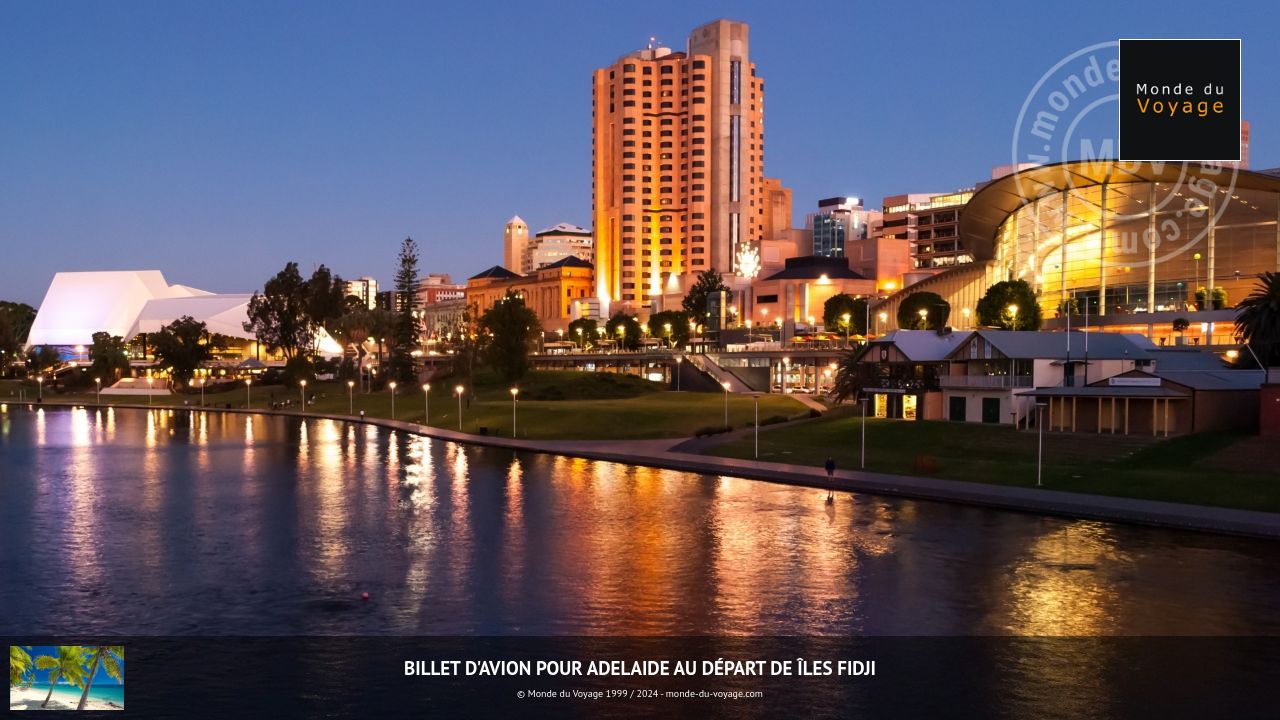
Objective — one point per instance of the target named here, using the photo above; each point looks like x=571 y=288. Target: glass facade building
x=1122 y=239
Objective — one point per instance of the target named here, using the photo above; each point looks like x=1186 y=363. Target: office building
x=555 y=243
x=678 y=158
x=929 y=222
x=365 y=288
x=439 y=287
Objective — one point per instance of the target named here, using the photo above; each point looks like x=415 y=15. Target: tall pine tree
x=406 y=308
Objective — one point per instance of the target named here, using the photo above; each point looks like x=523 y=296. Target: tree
x=839 y=305
x=695 y=303
x=625 y=329
x=587 y=336
x=1258 y=318
x=109 y=657
x=996 y=308
x=326 y=297
x=511 y=328
x=42 y=358
x=405 y=334
x=108 y=357
x=670 y=326
x=278 y=317
x=67 y=665
x=15 y=325
x=934 y=315
x=19 y=664
x=181 y=345
x=1180 y=325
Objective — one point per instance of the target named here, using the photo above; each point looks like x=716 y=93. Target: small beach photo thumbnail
x=66 y=677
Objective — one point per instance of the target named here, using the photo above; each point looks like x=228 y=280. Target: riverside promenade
x=673 y=454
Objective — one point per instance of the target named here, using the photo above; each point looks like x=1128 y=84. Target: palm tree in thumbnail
x=19 y=664
x=109 y=657
x=1258 y=318
x=67 y=665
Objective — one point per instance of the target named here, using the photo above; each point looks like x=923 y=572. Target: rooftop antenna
x=653 y=41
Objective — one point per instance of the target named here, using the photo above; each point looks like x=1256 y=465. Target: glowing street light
x=426 y=403
x=667 y=328
x=965 y=312
x=679 y=360
x=580 y=340
x=725 y=385
x=1013 y=313
x=846 y=318
x=248 y=393
x=98 y=383
x=884 y=318
x=924 y=318
x=351 y=398
x=458 y=391
x=302 y=393
x=40 y=389
x=150 y=383
x=786 y=370
x=392 y=385
x=201 y=392
x=515 y=392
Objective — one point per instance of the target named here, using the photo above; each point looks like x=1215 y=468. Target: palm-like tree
x=109 y=657
x=68 y=664
x=19 y=663
x=1258 y=317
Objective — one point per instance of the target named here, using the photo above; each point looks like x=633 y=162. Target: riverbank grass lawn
x=1194 y=469
x=552 y=405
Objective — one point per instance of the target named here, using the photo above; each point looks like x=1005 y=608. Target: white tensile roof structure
x=129 y=302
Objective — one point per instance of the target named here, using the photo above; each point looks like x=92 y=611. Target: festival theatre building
x=1123 y=247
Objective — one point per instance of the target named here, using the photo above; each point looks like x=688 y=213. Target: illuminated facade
x=930 y=224
x=1116 y=239
x=550 y=291
x=678 y=158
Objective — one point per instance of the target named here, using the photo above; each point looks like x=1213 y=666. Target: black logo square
x=1180 y=100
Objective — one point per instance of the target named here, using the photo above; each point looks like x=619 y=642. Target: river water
x=170 y=522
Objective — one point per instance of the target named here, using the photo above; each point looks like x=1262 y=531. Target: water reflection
x=187 y=522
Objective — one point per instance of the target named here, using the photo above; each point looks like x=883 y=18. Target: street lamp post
x=846 y=317
x=786 y=370
x=426 y=404
x=667 y=328
x=725 y=385
x=392 y=385
x=302 y=393
x=884 y=319
x=1013 y=314
x=201 y=393
x=755 y=396
x=679 y=360
x=924 y=318
x=150 y=384
x=351 y=398
x=98 y=382
x=40 y=389
x=248 y=393
x=863 y=402
x=458 y=391
x=1040 y=450
x=515 y=399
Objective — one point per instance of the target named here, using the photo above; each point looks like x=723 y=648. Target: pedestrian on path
x=831 y=479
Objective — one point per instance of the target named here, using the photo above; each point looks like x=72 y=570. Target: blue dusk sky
x=216 y=141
